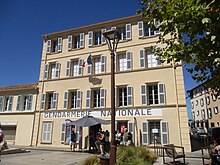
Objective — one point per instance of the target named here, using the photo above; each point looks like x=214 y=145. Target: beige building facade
x=17 y=112
x=150 y=95
x=205 y=107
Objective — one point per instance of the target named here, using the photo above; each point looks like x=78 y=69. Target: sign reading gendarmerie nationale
x=103 y=113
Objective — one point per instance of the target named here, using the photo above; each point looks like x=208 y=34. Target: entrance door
x=154 y=130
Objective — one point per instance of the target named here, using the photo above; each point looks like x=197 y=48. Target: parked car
x=197 y=131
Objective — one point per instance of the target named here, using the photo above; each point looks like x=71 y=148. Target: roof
x=92 y=25
x=18 y=87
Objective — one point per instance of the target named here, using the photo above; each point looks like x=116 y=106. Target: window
x=215 y=110
x=74 y=68
x=192 y=104
x=54 y=46
x=52 y=71
x=203 y=113
x=212 y=124
x=96 y=38
x=145 y=30
x=213 y=97
x=197 y=102
x=209 y=113
x=95 y=98
x=124 y=96
x=202 y=102
x=197 y=113
x=46 y=132
x=125 y=32
x=152 y=130
x=152 y=94
x=24 y=103
x=208 y=100
x=98 y=65
x=72 y=99
x=6 y=103
x=193 y=115
x=148 y=59
x=124 y=61
x=76 y=41
x=49 y=101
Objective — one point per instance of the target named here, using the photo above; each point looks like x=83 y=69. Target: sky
x=23 y=22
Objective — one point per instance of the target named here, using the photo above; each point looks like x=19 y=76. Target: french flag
x=88 y=61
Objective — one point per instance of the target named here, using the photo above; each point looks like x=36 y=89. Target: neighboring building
x=205 y=107
x=150 y=96
x=17 y=109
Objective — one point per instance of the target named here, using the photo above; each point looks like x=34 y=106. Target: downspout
x=42 y=89
x=177 y=101
x=35 y=108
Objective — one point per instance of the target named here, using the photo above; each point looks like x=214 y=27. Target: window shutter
x=80 y=61
x=142 y=58
x=164 y=132
x=103 y=63
x=102 y=97
x=131 y=129
x=140 y=29
x=128 y=31
x=48 y=46
x=1 y=103
x=130 y=95
x=103 y=38
x=68 y=63
x=65 y=100
x=59 y=44
x=29 y=105
x=63 y=129
x=43 y=101
x=10 y=103
x=46 y=71
x=116 y=126
x=161 y=93
x=144 y=94
x=82 y=36
x=129 y=60
x=79 y=99
x=116 y=101
x=18 y=108
x=157 y=24
x=55 y=99
x=47 y=132
x=145 y=139
x=70 y=40
x=88 y=96
x=90 y=34
x=57 y=69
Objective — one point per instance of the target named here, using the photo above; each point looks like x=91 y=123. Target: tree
x=193 y=27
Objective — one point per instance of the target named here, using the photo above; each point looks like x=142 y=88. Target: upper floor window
x=95 y=98
x=202 y=102
x=192 y=104
x=215 y=110
x=145 y=30
x=124 y=32
x=207 y=100
x=197 y=102
x=203 y=113
x=49 y=100
x=97 y=65
x=153 y=94
x=209 y=113
x=148 y=59
x=52 y=71
x=54 y=46
x=124 y=61
x=72 y=99
x=76 y=41
x=213 y=97
x=124 y=96
x=96 y=37
x=74 y=68
x=24 y=102
x=193 y=115
x=6 y=103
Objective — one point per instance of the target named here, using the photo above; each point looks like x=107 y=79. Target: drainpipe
x=177 y=100
x=42 y=89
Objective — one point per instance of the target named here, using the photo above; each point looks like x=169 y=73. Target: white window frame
x=165 y=133
x=145 y=132
x=70 y=42
x=90 y=38
x=47 y=128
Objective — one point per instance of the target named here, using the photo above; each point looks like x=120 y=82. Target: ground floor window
x=47 y=132
x=9 y=131
x=155 y=131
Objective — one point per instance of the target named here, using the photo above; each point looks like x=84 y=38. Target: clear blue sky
x=23 y=22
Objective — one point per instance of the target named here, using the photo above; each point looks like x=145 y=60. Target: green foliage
x=190 y=31
x=130 y=155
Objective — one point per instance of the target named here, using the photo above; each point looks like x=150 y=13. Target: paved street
x=41 y=157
